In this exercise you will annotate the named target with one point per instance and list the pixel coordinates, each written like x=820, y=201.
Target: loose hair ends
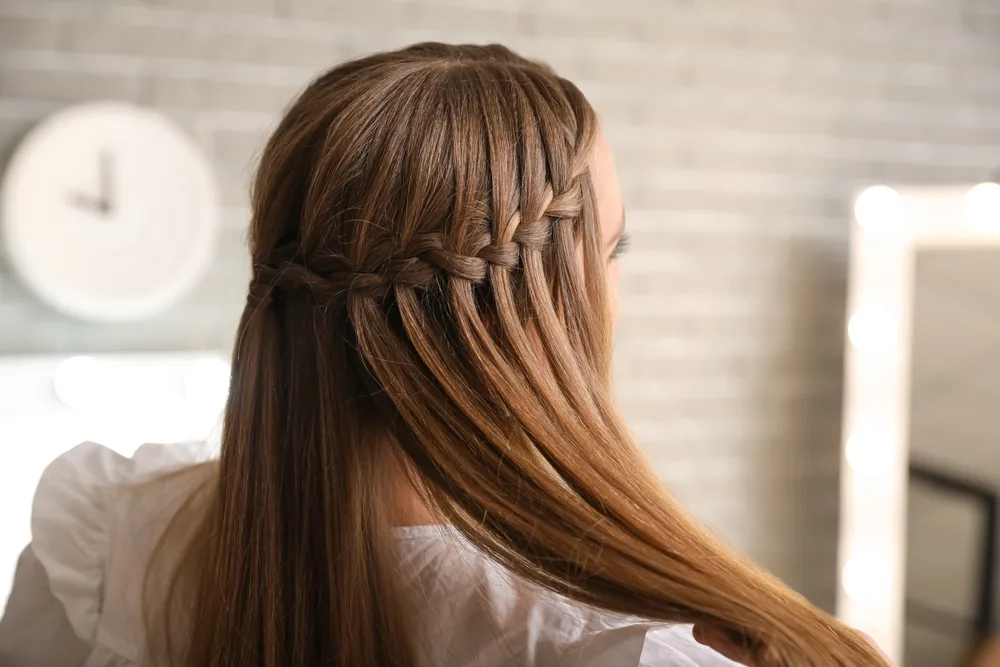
x=290, y=561
x=428, y=294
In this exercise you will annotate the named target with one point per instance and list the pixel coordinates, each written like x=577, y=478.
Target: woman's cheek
x=614, y=274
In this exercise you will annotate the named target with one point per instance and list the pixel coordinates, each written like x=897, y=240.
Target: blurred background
x=743, y=130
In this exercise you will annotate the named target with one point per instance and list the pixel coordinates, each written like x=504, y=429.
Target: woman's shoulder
x=96, y=517
x=471, y=611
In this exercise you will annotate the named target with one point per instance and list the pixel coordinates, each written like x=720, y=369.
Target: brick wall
x=742, y=128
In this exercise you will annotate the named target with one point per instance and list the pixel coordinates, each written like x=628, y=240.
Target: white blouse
x=76, y=598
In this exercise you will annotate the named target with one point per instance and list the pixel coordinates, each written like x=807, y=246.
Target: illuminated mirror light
x=871, y=329
x=867, y=578
x=982, y=206
x=879, y=208
x=93, y=387
x=206, y=383
x=870, y=453
x=77, y=381
x=88, y=385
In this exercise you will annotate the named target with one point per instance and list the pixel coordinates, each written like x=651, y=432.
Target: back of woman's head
x=428, y=309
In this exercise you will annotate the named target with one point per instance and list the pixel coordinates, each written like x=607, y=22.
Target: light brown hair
x=419, y=303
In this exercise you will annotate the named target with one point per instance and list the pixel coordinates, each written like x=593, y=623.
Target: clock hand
x=107, y=195
x=102, y=204
x=86, y=202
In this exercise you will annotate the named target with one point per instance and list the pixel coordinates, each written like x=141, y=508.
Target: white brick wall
x=742, y=128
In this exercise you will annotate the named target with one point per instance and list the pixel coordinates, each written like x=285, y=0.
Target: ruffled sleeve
x=70, y=528
x=75, y=512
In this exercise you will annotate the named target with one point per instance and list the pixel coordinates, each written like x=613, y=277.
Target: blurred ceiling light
x=879, y=208
x=982, y=206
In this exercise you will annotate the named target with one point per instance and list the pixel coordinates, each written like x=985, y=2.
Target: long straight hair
x=418, y=303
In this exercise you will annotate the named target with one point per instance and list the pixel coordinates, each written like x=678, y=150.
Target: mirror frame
x=890, y=226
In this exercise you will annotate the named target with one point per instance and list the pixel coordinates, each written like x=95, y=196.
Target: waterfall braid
x=429, y=295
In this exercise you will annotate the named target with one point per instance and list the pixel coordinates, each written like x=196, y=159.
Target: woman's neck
x=408, y=509
x=407, y=506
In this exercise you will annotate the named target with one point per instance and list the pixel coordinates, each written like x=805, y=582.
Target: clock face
x=109, y=212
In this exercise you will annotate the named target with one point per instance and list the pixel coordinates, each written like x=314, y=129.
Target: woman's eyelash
x=621, y=247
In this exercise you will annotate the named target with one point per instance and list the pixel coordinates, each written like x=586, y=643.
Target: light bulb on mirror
x=206, y=383
x=879, y=209
x=872, y=329
x=869, y=453
x=78, y=382
x=866, y=577
x=982, y=206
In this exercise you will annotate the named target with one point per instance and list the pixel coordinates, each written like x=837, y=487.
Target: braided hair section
x=424, y=264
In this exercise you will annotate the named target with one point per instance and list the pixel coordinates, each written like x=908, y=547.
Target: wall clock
x=109, y=212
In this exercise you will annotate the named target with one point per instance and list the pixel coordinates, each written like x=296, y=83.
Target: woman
x=422, y=463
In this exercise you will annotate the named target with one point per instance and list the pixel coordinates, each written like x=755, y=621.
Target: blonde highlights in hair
x=418, y=296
